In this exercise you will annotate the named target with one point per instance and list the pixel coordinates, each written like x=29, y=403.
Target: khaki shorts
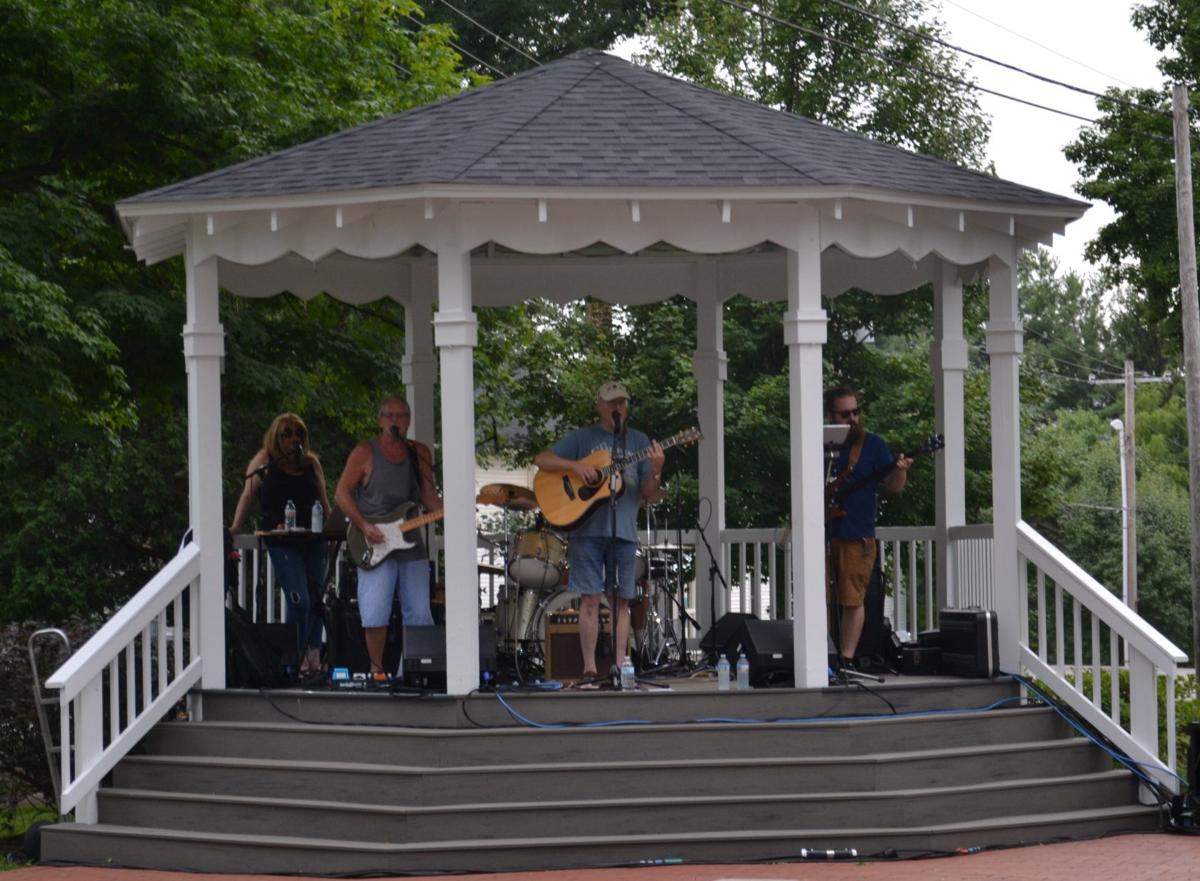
x=851, y=561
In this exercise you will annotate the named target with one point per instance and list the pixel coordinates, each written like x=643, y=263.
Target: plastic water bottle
x=743, y=673
x=723, y=674
x=318, y=517
x=289, y=515
x=628, y=676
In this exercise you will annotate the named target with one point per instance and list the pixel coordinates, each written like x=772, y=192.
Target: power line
x=930, y=38
x=1050, y=49
x=958, y=81
x=512, y=46
x=1116, y=371
x=460, y=49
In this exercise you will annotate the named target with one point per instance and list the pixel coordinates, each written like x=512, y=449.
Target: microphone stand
x=714, y=573
x=611, y=575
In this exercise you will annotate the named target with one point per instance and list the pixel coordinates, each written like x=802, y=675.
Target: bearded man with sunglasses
x=851, y=527
x=379, y=476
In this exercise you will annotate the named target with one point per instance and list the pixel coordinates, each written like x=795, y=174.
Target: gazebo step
x=905, y=694
x=513, y=745
x=345, y=781
x=898, y=809
x=114, y=846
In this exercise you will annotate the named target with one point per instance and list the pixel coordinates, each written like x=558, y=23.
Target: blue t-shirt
x=862, y=505
x=583, y=441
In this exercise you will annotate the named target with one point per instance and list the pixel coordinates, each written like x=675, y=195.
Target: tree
x=103, y=100
x=880, y=80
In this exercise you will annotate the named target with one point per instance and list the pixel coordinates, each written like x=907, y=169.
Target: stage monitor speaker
x=722, y=635
x=424, y=652
x=345, y=644
x=768, y=647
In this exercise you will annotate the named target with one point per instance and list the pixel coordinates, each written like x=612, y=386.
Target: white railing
x=1080, y=629
x=969, y=559
x=906, y=553
x=757, y=564
x=126, y=678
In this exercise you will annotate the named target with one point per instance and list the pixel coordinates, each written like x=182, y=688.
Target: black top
x=278, y=486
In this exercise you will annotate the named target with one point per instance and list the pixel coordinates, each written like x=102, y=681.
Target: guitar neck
x=417, y=522
x=634, y=458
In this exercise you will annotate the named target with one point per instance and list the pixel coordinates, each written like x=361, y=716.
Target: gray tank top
x=386, y=489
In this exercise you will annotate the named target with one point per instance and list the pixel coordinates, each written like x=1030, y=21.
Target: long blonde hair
x=273, y=441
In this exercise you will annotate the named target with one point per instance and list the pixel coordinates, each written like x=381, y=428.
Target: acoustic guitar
x=566, y=500
x=393, y=525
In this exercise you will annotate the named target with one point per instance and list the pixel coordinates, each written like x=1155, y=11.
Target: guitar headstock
x=689, y=436
x=931, y=445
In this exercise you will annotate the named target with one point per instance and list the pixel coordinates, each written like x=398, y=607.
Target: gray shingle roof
x=592, y=119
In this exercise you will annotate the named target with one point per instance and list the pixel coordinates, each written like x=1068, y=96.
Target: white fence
x=125, y=678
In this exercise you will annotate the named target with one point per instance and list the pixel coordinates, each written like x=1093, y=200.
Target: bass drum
x=559, y=601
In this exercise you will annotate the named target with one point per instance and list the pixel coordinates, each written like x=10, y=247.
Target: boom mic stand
x=839, y=674
x=714, y=573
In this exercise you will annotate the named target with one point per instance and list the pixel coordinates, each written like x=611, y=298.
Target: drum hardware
x=485, y=569
x=507, y=495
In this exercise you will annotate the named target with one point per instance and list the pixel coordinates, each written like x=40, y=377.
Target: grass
x=13, y=824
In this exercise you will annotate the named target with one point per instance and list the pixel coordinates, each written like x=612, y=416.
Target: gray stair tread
x=535, y=767
x=702, y=724
x=629, y=802
x=310, y=843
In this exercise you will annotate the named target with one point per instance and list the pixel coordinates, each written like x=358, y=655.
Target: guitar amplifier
x=564, y=658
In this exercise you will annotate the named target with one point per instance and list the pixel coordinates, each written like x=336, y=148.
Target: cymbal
x=509, y=495
x=485, y=569
x=666, y=547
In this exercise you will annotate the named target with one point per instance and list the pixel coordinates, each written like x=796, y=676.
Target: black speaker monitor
x=424, y=648
x=769, y=648
x=722, y=635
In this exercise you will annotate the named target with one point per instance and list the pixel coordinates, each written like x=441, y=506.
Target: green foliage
x=543, y=29
x=103, y=100
x=904, y=100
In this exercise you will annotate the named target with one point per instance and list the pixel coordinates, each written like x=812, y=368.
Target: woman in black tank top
x=286, y=469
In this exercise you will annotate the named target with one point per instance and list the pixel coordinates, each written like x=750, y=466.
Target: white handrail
x=1150, y=653
x=90, y=747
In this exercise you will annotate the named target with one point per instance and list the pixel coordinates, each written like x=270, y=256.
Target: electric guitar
x=393, y=525
x=566, y=500
x=836, y=493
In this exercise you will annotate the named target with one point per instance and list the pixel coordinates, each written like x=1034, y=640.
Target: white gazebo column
x=804, y=332
x=948, y=361
x=709, y=365
x=456, y=332
x=419, y=365
x=203, y=351
x=1004, y=344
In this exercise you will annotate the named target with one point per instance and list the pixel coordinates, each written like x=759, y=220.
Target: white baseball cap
x=610, y=391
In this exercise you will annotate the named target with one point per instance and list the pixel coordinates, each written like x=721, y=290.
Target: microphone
x=395, y=430
x=616, y=417
x=298, y=450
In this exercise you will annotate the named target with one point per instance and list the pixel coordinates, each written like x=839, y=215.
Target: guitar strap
x=415, y=465
x=855, y=452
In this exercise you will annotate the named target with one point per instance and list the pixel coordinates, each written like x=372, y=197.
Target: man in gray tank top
x=380, y=475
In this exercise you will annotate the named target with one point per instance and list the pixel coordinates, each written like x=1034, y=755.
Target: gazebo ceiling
x=593, y=176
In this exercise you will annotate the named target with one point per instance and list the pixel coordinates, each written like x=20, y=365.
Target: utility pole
x=1131, y=486
x=1191, y=333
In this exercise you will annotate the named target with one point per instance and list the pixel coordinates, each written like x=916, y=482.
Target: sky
x=1026, y=144
x=1088, y=43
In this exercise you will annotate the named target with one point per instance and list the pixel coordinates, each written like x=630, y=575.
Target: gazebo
x=590, y=176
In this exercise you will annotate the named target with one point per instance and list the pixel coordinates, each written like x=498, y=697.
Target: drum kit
x=536, y=586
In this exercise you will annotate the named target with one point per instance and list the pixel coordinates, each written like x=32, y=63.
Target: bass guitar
x=836, y=492
x=393, y=525
x=566, y=500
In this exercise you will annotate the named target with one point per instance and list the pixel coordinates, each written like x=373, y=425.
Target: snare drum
x=539, y=561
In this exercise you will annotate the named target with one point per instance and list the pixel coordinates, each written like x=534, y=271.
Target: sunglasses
x=289, y=432
x=848, y=414
x=395, y=414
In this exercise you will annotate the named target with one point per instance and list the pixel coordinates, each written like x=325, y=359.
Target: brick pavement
x=1145, y=857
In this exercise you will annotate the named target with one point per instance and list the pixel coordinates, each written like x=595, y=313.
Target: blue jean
x=588, y=557
x=300, y=569
x=377, y=586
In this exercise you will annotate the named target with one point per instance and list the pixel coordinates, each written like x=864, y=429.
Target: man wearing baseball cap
x=594, y=548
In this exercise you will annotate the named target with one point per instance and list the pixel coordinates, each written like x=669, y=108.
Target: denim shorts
x=587, y=557
x=377, y=587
